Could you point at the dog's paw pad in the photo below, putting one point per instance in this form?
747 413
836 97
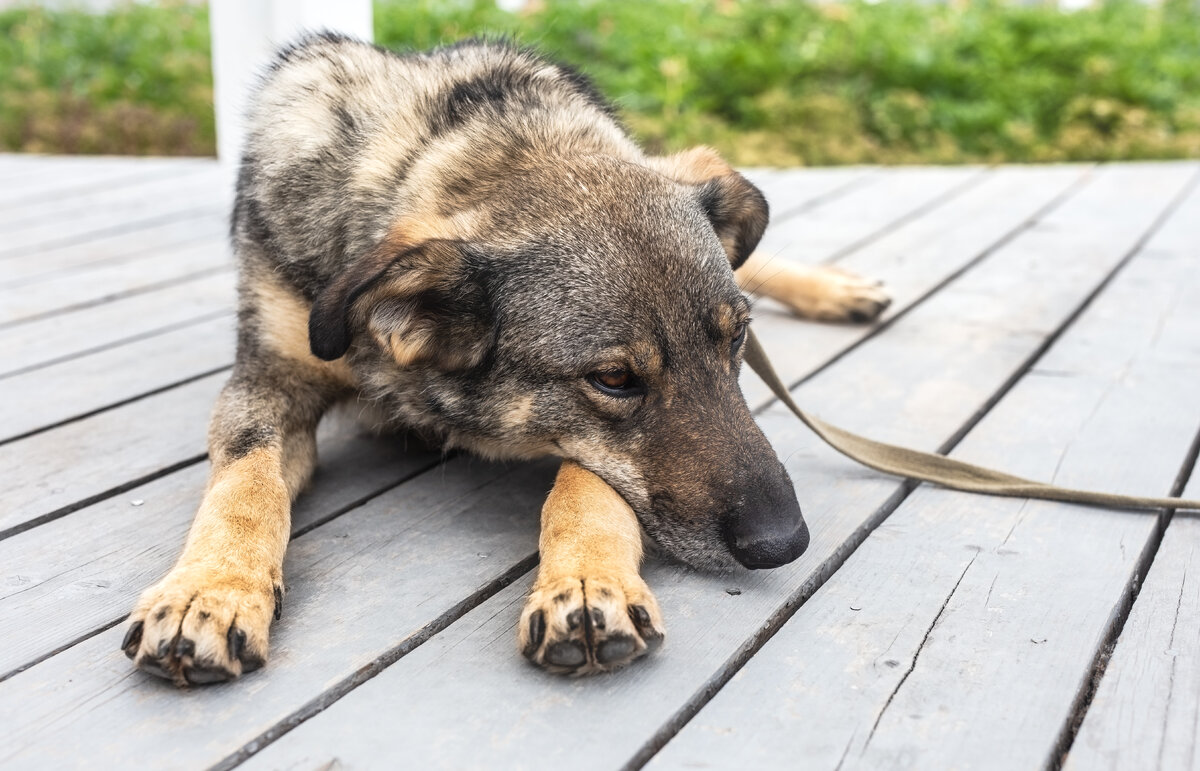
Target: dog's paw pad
198 626
581 626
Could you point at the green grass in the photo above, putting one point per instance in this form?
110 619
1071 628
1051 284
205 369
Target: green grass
774 82
136 80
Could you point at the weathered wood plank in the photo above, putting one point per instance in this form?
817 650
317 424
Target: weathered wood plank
24 214
859 216
912 259
425 549
83 385
91 457
977 333
112 281
36 264
16 169
48 182
66 335
79 218
66 579
1146 712
962 631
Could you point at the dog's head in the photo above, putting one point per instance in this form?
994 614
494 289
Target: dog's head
588 310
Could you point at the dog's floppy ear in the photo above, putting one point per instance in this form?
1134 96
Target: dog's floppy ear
736 208
426 303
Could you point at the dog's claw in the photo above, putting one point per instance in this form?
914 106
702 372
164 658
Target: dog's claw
133 638
199 625
207 675
236 639
537 633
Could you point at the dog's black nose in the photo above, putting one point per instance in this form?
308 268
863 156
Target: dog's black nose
767 535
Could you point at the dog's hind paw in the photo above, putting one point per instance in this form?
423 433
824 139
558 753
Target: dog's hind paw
828 293
200 626
582 626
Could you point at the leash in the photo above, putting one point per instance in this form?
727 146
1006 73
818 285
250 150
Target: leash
939 469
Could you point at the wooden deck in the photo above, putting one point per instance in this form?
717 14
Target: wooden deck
1046 320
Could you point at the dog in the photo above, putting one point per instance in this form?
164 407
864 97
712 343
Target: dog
470 241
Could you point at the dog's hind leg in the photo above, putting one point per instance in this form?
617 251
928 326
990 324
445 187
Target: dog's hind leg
820 292
590 610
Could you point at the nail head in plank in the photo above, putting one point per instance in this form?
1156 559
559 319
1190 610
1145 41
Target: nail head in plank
78 461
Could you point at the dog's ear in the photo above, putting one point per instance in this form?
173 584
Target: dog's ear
427 304
736 208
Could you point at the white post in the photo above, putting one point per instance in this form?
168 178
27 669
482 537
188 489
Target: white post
246 32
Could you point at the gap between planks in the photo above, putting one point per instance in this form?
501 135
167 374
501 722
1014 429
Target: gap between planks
1187 481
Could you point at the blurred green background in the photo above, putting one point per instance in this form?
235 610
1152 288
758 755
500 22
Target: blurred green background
775 82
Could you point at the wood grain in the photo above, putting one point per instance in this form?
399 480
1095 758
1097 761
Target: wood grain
63 336
79 461
88 383
156 270
912 260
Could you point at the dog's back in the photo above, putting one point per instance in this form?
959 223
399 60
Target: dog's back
336 120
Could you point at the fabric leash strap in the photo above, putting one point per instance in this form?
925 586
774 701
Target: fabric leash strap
939 469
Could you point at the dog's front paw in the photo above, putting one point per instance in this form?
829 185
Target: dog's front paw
834 294
203 625
591 624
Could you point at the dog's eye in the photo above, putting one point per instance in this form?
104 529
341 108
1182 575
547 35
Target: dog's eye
738 339
615 382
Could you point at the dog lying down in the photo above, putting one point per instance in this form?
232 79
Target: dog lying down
468 239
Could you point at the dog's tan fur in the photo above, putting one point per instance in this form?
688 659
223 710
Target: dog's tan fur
591 551
818 292
284 331
231 570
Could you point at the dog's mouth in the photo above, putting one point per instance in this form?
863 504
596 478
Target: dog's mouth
702 548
